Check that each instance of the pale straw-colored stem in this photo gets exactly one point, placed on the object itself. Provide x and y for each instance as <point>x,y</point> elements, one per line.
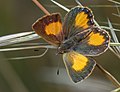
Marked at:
<point>41,7</point>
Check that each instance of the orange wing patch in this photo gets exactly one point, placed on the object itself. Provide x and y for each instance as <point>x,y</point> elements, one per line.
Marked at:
<point>53,28</point>
<point>96,39</point>
<point>78,61</point>
<point>81,20</point>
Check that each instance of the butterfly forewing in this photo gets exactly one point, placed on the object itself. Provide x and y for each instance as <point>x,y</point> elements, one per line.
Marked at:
<point>78,19</point>
<point>49,28</point>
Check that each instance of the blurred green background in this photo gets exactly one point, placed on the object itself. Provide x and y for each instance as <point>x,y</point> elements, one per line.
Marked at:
<point>39,75</point>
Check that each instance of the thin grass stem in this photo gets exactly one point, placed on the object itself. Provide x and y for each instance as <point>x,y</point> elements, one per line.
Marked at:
<point>41,7</point>
<point>114,1</point>
<point>114,44</point>
<point>30,57</point>
<point>112,78</point>
<point>25,48</point>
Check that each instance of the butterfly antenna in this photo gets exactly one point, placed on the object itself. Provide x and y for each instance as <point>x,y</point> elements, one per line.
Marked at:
<point>58,68</point>
<point>58,71</point>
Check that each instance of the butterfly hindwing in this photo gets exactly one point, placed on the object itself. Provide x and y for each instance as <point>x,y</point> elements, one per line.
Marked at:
<point>94,44</point>
<point>49,28</point>
<point>78,66</point>
<point>78,19</point>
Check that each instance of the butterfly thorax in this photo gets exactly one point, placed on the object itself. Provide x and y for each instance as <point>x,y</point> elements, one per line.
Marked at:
<point>72,41</point>
<point>65,46</point>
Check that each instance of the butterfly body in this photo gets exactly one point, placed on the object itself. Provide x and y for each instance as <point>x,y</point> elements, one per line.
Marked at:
<point>68,44</point>
<point>77,38</point>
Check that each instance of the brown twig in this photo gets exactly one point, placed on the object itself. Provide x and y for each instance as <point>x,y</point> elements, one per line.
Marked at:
<point>41,7</point>
<point>113,80</point>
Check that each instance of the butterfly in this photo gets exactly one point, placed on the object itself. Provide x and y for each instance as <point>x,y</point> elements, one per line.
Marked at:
<point>77,39</point>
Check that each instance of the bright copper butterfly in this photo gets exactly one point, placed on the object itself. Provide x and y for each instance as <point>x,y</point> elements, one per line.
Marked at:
<point>77,38</point>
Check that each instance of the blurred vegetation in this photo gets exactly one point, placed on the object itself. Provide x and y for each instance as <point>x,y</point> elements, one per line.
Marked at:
<point>39,75</point>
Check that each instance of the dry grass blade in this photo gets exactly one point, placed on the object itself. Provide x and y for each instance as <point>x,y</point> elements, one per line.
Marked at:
<point>29,44</point>
<point>114,1</point>
<point>114,52</point>
<point>103,6</point>
<point>30,57</point>
<point>116,15</point>
<point>66,9</point>
<point>112,32</point>
<point>114,24</point>
<point>105,27</point>
<point>118,11</point>
<point>17,38</point>
<point>115,39</point>
<point>116,90</point>
<point>3,38</point>
<point>41,7</point>
<point>108,75</point>
<point>114,44</point>
<point>30,47</point>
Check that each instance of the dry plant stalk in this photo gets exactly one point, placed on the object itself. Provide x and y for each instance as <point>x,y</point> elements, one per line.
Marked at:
<point>41,7</point>
<point>114,81</point>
